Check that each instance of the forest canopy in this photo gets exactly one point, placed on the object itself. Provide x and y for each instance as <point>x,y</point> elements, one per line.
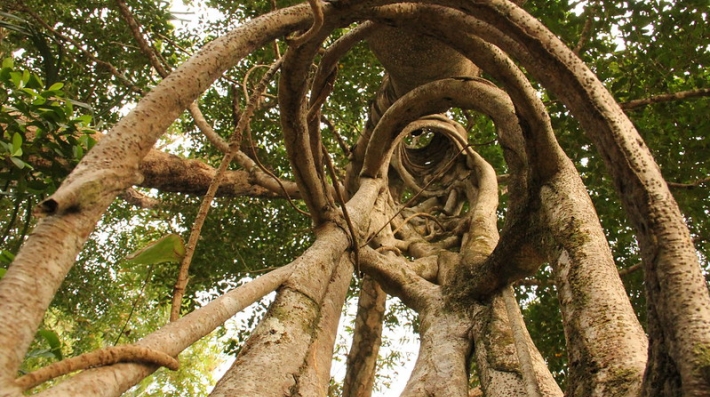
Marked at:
<point>521,187</point>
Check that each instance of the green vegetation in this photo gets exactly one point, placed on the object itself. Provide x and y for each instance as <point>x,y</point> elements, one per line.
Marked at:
<point>70,69</point>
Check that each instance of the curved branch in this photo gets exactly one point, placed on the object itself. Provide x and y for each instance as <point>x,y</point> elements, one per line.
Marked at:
<point>303,144</point>
<point>317,9</point>
<point>99,358</point>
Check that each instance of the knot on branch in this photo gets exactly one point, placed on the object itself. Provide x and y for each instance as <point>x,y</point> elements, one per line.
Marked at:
<point>86,190</point>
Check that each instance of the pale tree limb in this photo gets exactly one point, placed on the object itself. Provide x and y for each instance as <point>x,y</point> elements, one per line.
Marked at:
<point>171,339</point>
<point>303,144</point>
<point>367,338</point>
<point>518,328</point>
<point>98,358</point>
<point>314,378</point>
<point>289,337</point>
<point>481,241</point>
<point>445,346</point>
<point>679,303</point>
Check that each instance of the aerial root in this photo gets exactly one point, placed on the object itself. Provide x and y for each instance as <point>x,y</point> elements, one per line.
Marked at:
<point>317,9</point>
<point>98,358</point>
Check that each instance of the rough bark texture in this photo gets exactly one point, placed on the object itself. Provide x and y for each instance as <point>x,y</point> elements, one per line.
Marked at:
<point>592,298</point>
<point>290,327</point>
<point>367,337</point>
<point>421,222</point>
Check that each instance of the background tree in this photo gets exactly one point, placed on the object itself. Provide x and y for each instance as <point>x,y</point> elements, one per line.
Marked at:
<point>410,192</point>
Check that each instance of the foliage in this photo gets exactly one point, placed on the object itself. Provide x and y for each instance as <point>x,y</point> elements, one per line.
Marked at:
<point>638,49</point>
<point>43,135</point>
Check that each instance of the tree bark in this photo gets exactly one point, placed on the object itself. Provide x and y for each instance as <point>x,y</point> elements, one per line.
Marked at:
<point>367,337</point>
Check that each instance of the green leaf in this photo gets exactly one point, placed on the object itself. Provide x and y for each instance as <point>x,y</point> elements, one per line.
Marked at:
<point>54,343</point>
<point>39,101</point>
<point>84,119</point>
<point>8,63</point>
<point>56,87</point>
<point>168,248</point>
<point>16,78</point>
<point>16,141</point>
<point>78,152</point>
<point>30,92</point>
<point>19,163</point>
<point>2,273</point>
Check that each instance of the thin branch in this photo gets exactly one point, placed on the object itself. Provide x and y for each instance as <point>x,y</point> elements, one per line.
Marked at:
<point>677,96</point>
<point>631,269</point>
<point>140,297</point>
<point>688,185</point>
<point>341,201</point>
<point>98,358</point>
<point>586,30</point>
<point>181,282</point>
<point>112,69</point>
<point>146,48</point>
<point>341,142</point>
<point>207,129</point>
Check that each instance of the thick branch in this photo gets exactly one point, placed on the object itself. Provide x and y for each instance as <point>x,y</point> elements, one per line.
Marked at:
<point>367,337</point>
<point>314,378</point>
<point>170,173</point>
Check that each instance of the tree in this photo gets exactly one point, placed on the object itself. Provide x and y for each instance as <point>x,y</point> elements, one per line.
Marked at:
<point>415,203</point>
